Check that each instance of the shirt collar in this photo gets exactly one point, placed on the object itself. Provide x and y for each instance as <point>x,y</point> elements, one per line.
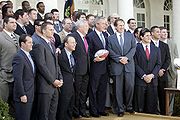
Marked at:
<point>9,33</point>
<point>156,42</point>
<point>27,53</point>
<point>45,39</point>
<point>82,36</point>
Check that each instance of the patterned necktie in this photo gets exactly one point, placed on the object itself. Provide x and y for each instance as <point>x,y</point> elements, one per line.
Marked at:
<point>147,52</point>
<point>102,40</point>
<point>14,39</point>
<point>86,44</point>
<point>72,62</point>
<point>23,27</point>
<point>49,43</point>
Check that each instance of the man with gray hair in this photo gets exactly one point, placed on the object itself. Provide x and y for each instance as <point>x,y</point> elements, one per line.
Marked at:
<point>81,55</point>
<point>97,40</point>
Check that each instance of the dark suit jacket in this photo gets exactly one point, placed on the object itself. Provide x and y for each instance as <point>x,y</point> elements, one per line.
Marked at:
<point>23,77</point>
<point>143,66</point>
<point>47,66</point>
<point>20,31</point>
<point>57,41</point>
<point>67,74</point>
<point>115,52</point>
<point>30,28</point>
<point>95,44</point>
<point>39,16</point>
<point>165,55</point>
<point>110,30</point>
<point>82,64</point>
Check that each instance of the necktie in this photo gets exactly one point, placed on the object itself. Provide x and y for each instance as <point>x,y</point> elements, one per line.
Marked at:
<point>14,39</point>
<point>23,27</point>
<point>49,43</point>
<point>147,52</point>
<point>31,61</point>
<point>121,42</point>
<point>86,44</point>
<point>102,40</point>
<point>72,62</point>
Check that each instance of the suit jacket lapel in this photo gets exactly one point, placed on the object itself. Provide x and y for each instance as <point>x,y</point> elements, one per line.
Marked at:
<point>65,59</point>
<point>143,51</point>
<point>27,60</point>
<point>10,39</point>
<point>99,40</point>
<point>81,42</point>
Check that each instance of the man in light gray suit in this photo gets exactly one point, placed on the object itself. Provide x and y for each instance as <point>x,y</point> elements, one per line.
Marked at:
<point>122,47</point>
<point>171,72</point>
<point>8,48</point>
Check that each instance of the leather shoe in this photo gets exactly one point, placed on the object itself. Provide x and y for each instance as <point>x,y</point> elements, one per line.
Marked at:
<point>95,115</point>
<point>76,116</point>
<point>104,114</point>
<point>85,115</point>
<point>131,111</point>
<point>121,114</point>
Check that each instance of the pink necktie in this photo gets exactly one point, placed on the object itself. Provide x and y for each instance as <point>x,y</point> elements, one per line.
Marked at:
<point>86,44</point>
<point>147,52</point>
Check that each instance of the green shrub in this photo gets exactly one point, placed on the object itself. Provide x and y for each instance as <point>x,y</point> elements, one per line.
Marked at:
<point>4,111</point>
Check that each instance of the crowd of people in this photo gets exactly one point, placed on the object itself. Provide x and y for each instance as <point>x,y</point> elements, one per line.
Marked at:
<point>83,65</point>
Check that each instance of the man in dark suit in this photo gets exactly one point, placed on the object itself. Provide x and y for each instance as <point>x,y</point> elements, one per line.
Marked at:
<point>81,55</point>
<point>122,47</point>
<point>148,62</point>
<point>24,74</point>
<point>165,62</point>
<point>111,29</point>
<point>172,70</point>
<point>67,65</point>
<point>49,77</point>
<point>131,25</point>
<point>32,13</point>
<point>22,20</point>
<point>41,10</point>
<point>97,40</point>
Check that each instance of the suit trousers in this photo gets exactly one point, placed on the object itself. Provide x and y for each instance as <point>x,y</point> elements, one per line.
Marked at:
<point>97,92</point>
<point>123,90</point>
<point>146,99</point>
<point>162,83</point>
<point>23,110</point>
<point>81,86</point>
<point>47,105</point>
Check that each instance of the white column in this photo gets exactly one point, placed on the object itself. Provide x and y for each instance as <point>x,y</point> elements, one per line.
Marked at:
<point>176,23</point>
<point>125,9</point>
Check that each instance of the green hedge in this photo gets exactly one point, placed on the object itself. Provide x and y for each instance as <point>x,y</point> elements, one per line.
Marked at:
<point>4,111</point>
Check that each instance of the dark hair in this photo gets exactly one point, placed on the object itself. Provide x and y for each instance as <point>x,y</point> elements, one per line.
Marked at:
<point>54,10</point>
<point>89,15</point>
<point>153,27</point>
<point>5,9</point>
<point>162,28</point>
<point>38,22</point>
<point>137,30</point>
<point>19,12</point>
<point>143,31</point>
<point>6,19</point>
<point>48,16</point>
<point>128,22</point>
<point>66,39</point>
<point>79,14</point>
<point>23,38</point>
<point>37,6</point>
<point>30,10</point>
<point>44,25</point>
<point>117,20</point>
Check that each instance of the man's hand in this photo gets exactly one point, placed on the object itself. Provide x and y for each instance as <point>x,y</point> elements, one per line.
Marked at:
<point>123,60</point>
<point>161,72</point>
<point>58,50</point>
<point>23,99</point>
<point>98,59</point>
<point>148,78</point>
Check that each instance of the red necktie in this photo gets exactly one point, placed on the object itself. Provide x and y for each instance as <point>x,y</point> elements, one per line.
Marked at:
<point>147,52</point>
<point>86,45</point>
